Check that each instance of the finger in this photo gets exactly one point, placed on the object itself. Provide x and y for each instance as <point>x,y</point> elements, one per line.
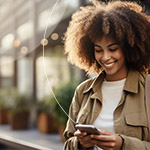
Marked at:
<point>85,138</point>
<point>115,142</point>
<point>107,138</point>
<point>102,143</point>
<point>86,144</point>
<point>79,133</point>
<point>106,132</point>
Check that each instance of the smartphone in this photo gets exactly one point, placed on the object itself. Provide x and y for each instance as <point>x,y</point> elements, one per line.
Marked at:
<point>89,129</point>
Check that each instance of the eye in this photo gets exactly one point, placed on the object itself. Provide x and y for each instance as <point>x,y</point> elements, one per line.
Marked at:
<point>98,50</point>
<point>113,49</point>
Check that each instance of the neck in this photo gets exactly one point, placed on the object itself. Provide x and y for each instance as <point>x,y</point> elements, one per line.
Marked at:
<point>116,77</point>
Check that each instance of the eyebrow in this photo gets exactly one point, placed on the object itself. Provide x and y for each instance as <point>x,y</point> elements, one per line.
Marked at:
<point>107,46</point>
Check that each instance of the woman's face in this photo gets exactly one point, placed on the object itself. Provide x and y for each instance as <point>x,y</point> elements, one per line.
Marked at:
<point>109,55</point>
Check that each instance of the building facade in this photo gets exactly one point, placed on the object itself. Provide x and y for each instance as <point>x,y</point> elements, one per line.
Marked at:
<point>31,49</point>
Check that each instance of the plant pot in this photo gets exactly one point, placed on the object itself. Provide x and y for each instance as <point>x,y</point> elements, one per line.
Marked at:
<point>61,130</point>
<point>46,123</point>
<point>19,121</point>
<point>4,117</point>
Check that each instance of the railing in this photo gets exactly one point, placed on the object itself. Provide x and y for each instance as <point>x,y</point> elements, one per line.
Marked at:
<point>30,139</point>
<point>9,143</point>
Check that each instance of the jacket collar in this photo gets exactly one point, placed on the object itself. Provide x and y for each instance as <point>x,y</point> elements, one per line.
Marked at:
<point>132,81</point>
<point>131,84</point>
<point>96,83</point>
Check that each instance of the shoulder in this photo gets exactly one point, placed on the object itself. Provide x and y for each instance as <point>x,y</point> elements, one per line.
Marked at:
<point>85,85</point>
<point>142,77</point>
<point>88,84</point>
<point>136,76</point>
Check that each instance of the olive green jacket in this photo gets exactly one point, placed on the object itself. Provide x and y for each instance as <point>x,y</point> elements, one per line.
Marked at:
<point>130,120</point>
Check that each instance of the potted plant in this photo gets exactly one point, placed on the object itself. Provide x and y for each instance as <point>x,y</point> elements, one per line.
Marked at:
<point>20,105</point>
<point>4,106</point>
<point>46,123</point>
<point>64,95</point>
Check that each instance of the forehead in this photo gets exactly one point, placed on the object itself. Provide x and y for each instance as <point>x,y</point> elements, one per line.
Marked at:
<point>104,40</point>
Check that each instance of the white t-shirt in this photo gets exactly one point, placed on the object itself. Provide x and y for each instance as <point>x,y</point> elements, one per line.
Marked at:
<point>111,93</point>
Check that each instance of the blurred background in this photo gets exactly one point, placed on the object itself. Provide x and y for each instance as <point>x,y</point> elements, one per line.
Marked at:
<point>29,30</point>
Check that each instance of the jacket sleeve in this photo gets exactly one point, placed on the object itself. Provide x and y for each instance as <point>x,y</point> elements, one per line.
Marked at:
<point>71,142</point>
<point>133,143</point>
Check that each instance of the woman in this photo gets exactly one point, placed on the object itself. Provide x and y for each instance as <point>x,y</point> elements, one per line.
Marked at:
<point>112,40</point>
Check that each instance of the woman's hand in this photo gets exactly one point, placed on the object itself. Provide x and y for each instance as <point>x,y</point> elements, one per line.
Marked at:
<point>84,139</point>
<point>107,140</point>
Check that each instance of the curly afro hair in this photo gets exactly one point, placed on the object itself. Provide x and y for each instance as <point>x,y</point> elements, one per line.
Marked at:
<point>123,21</point>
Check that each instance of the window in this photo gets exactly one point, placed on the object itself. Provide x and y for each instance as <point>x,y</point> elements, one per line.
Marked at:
<point>7,66</point>
<point>7,41</point>
<point>25,31</point>
<point>51,16</point>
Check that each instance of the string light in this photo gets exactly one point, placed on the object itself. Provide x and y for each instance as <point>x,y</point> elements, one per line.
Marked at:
<point>16,43</point>
<point>24,50</point>
<point>44,42</point>
<point>54,36</point>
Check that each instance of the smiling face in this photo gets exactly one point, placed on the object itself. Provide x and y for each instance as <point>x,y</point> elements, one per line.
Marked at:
<point>109,55</point>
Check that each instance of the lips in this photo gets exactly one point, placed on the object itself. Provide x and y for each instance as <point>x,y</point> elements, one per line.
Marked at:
<point>109,65</point>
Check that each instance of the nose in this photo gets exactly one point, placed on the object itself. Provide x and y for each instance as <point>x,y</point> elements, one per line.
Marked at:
<point>105,56</point>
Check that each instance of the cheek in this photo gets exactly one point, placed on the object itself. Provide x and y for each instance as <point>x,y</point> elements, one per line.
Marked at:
<point>119,55</point>
<point>97,56</point>
<point>121,58</point>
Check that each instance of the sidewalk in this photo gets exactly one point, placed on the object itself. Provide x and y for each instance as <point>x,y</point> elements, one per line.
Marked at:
<point>31,137</point>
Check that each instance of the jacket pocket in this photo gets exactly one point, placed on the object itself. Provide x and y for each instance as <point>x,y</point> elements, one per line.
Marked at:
<point>135,122</point>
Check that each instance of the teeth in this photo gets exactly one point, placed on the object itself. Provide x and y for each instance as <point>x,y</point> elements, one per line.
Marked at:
<point>109,65</point>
